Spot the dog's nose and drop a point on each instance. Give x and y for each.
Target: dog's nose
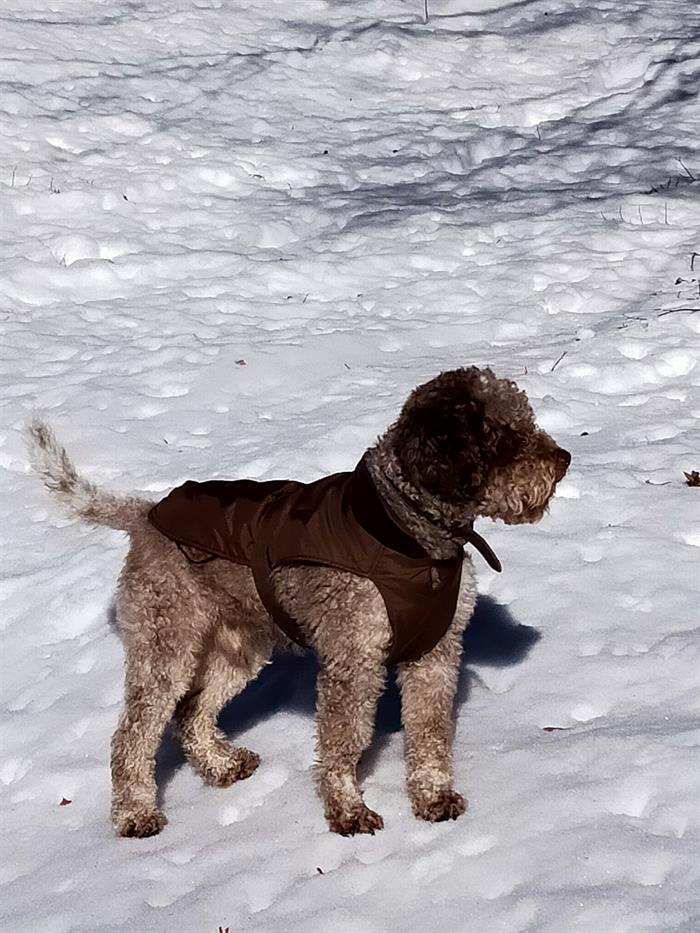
(563, 459)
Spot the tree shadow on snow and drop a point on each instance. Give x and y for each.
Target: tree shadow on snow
(493, 638)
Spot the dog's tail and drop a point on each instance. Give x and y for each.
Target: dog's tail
(79, 496)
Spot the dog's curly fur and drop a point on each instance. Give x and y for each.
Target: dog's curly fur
(465, 445)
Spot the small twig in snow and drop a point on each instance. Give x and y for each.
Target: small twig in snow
(683, 166)
(692, 260)
(557, 362)
(425, 12)
(674, 310)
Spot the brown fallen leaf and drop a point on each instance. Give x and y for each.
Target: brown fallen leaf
(554, 729)
(64, 802)
(692, 478)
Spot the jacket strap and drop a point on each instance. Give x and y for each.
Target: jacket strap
(485, 549)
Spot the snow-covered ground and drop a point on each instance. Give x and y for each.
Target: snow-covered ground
(234, 235)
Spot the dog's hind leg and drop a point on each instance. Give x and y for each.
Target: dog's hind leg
(222, 676)
(150, 701)
(163, 625)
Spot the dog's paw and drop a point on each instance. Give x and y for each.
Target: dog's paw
(446, 805)
(362, 820)
(139, 823)
(241, 764)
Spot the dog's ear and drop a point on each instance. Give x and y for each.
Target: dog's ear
(444, 440)
(439, 448)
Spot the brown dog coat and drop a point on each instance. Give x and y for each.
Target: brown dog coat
(338, 521)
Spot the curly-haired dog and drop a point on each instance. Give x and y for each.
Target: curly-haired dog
(196, 627)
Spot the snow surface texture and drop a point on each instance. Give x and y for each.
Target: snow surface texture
(234, 236)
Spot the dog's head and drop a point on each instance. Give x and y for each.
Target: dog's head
(471, 440)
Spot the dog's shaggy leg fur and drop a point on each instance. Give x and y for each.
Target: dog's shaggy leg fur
(187, 653)
(350, 681)
(207, 749)
(427, 710)
(134, 745)
(347, 701)
(161, 661)
(238, 644)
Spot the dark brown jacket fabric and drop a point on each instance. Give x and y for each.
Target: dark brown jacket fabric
(338, 521)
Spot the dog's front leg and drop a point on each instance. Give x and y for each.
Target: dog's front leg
(427, 708)
(344, 619)
(347, 700)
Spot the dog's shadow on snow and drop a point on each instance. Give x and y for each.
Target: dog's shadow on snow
(493, 638)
